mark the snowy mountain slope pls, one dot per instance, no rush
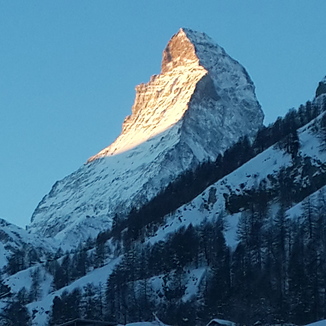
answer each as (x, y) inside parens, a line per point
(14, 238)
(297, 210)
(205, 207)
(200, 104)
(42, 307)
(318, 323)
(98, 277)
(212, 202)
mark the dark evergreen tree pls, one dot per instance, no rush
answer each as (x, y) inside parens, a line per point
(58, 312)
(322, 132)
(298, 279)
(60, 277)
(100, 253)
(4, 289)
(278, 265)
(174, 286)
(219, 279)
(79, 263)
(145, 306)
(23, 296)
(32, 256)
(35, 289)
(15, 313)
(16, 262)
(91, 303)
(293, 144)
(309, 216)
(66, 307)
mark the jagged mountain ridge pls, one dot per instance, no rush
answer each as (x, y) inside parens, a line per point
(200, 104)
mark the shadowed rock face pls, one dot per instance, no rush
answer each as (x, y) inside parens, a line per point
(199, 105)
(321, 89)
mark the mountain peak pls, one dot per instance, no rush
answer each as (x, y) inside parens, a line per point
(196, 108)
(161, 102)
(193, 67)
(180, 51)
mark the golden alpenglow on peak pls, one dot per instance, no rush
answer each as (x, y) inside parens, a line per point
(161, 102)
(179, 52)
(193, 68)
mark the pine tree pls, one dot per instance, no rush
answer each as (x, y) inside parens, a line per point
(15, 313)
(100, 254)
(309, 216)
(91, 302)
(66, 307)
(4, 289)
(62, 273)
(219, 282)
(278, 266)
(57, 315)
(174, 285)
(16, 262)
(79, 263)
(293, 144)
(298, 279)
(23, 296)
(35, 290)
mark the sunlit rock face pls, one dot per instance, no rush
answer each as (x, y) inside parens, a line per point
(200, 103)
(162, 102)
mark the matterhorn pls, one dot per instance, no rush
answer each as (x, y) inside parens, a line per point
(201, 103)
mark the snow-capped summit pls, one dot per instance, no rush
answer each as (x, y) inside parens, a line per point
(193, 67)
(200, 103)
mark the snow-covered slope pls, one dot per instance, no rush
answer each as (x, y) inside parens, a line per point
(261, 169)
(318, 323)
(200, 104)
(206, 207)
(14, 238)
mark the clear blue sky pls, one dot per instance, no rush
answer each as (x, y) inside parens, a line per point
(68, 70)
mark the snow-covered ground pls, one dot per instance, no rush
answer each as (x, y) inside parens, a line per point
(14, 238)
(97, 277)
(201, 208)
(318, 323)
(247, 177)
(156, 322)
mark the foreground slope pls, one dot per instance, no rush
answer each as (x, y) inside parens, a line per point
(233, 195)
(200, 103)
(259, 227)
(179, 262)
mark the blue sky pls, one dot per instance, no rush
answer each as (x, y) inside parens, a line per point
(68, 70)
